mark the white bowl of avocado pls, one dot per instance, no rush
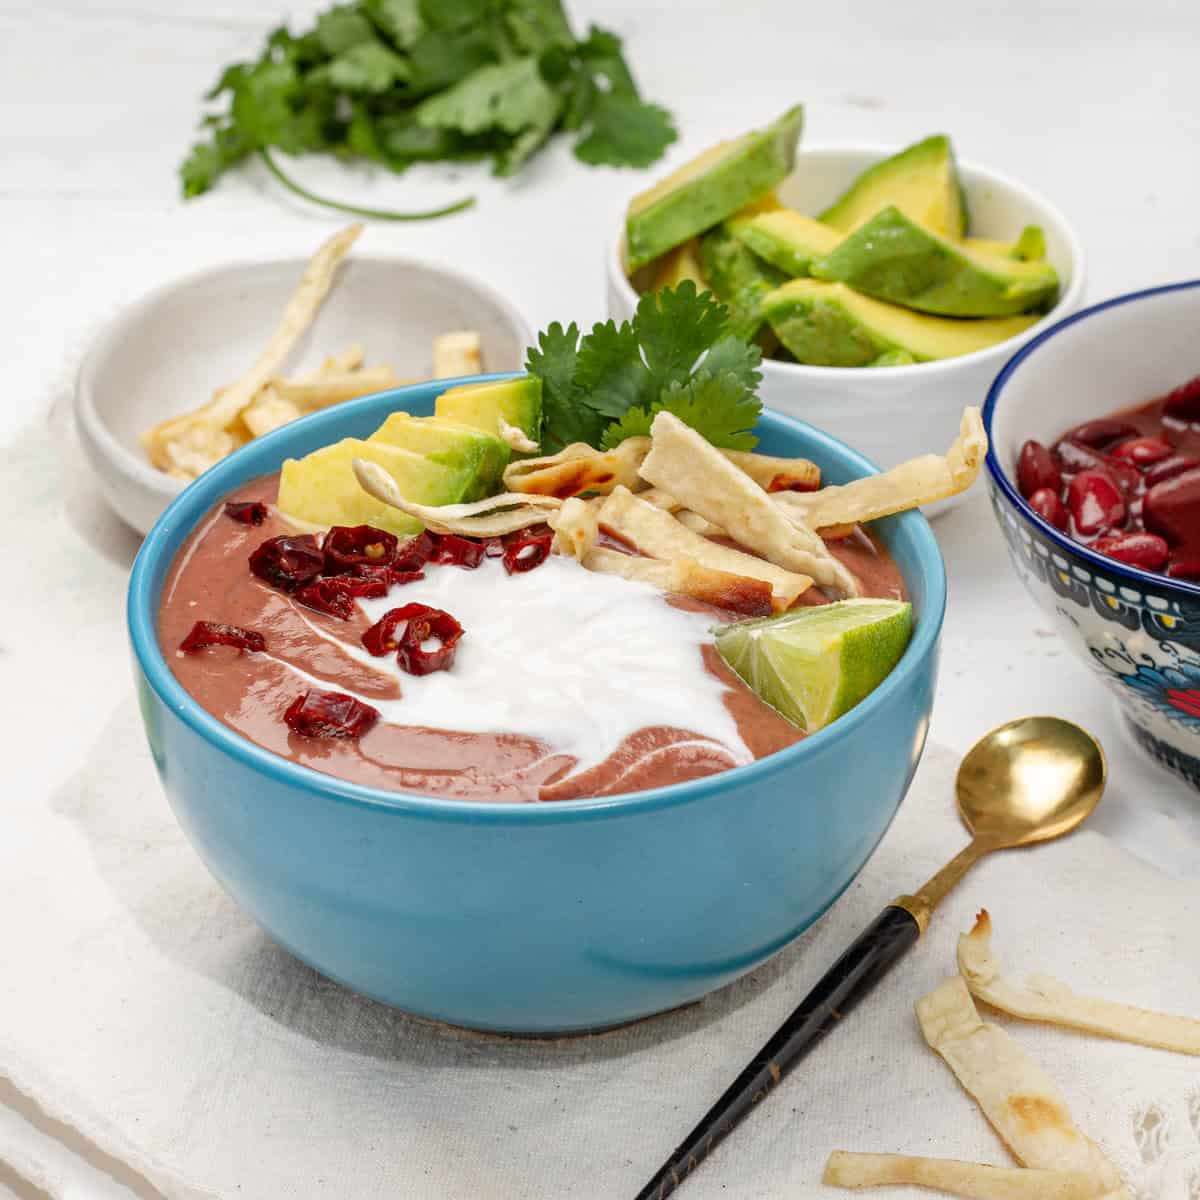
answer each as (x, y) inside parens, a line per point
(886, 288)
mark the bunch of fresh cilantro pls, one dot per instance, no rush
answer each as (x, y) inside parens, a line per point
(675, 354)
(399, 82)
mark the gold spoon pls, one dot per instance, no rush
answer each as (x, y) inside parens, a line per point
(1029, 781)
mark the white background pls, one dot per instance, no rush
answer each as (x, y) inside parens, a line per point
(1096, 104)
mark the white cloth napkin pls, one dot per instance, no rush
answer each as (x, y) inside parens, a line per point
(142, 1009)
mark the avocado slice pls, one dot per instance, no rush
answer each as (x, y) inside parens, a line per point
(481, 405)
(451, 444)
(921, 181)
(677, 265)
(321, 488)
(711, 187)
(831, 325)
(893, 258)
(784, 238)
(739, 278)
(1029, 247)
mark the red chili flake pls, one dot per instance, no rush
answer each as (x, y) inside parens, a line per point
(248, 512)
(416, 552)
(382, 637)
(329, 714)
(384, 575)
(459, 551)
(213, 633)
(433, 623)
(493, 547)
(349, 546)
(327, 596)
(288, 562)
(527, 549)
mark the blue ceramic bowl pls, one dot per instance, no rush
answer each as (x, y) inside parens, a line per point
(1138, 631)
(535, 918)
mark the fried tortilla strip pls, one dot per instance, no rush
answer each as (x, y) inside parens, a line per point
(777, 474)
(349, 359)
(686, 577)
(298, 315)
(973, 1180)
(1046, 999)
(657, 534)
(310, 395)
(268, 410)
(579, 468)
(918, 481)
(686, 466)
(457, 353)
(490, 517)
(517, 439)
(1020, 1100)
(575, 527)
(692, 520)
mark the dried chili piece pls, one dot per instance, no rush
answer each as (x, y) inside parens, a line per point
(411, 654)
(287, 562)
(349, 546)
(384, 636)
(526, 549)
(247, 512)
(458, 551)
(326, 596)
(213, 633)
(416, 552)
(385, 575)
(329, 715)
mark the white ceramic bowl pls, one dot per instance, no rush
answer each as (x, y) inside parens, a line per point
(1139, 632)
(170, 350)
(891, 414)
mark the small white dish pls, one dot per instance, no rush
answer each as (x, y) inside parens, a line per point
(168, 352)
(891, 414)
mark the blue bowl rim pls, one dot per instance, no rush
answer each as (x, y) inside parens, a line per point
(143, 630)
(1099, 562)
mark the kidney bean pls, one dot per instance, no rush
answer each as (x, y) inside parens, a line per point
(1182, 406)
(1049, 507)
(1036, 469)
(1101, 432)
(1172, 508)
(1143, 452)
(1095, 502)
(1074, 457)
(1145, 550)
(1169, 468)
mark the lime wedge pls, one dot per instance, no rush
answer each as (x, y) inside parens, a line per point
(813, 664)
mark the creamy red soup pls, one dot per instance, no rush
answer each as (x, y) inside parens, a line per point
(564, 683)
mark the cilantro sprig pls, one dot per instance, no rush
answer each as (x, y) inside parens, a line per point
(398, 82)
(676, 354)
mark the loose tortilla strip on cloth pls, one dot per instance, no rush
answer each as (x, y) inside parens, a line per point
(685, 465)
(227, 404)
(657, 534)
(1046, 999)
(579, 468)
(684, 576)
(973, 1180)
(918, 481)
(1020, 1100)
(308, 395)
(490, 517)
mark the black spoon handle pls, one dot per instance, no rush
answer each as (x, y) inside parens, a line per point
(860, 968)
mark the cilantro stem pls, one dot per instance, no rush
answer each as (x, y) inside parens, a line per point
(377, 214)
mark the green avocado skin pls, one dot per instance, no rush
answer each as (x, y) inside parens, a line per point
(825, 335)
(740, 279)
(729, 185)
(895, 259)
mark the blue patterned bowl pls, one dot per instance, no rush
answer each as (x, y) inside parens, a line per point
(535, 917)
(1140, 632)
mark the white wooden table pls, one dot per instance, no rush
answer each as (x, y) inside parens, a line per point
(1092, 102)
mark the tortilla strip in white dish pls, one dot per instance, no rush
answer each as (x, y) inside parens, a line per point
(1020, 1100)
(701, 478)
(657, 534)
(975, 1181)
(918, 481)
(1046, 999)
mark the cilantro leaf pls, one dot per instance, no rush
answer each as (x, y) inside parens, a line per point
(537, 25)
(399, 20)
(367, 67)
(716, 406)
(510, 96)
(341, 27)
(565, 418)
(675, 326)
(741, 359)
(610, 373)
(624, 132)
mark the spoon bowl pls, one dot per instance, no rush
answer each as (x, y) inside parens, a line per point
(1031, 780)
